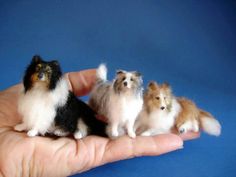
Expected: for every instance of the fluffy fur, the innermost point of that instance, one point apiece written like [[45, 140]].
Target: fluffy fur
[[159, 111], [119, 101], [47, 105], [162, 111]]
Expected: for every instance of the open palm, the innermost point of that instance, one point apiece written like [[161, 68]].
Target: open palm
[[21, 155]]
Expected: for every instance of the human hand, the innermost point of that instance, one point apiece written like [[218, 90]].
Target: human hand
[[47, 156]]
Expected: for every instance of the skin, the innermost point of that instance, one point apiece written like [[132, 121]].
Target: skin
[[49, 156]]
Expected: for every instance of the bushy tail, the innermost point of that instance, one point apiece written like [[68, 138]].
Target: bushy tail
[[209, 124], [102, 72]]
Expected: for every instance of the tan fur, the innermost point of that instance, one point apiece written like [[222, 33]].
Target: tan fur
[[159, 111], [151, 96], [189, 112], [189, 117], [47, 73]]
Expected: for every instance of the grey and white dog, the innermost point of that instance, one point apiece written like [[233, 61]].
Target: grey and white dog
[[119, 101]]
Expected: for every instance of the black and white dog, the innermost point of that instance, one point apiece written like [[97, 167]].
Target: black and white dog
[[119, 101], [48, 106]]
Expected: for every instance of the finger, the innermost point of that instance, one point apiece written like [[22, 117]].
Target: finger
[[189, 135], [125, 147], [186, 136], [81, 82], [13, 90], [94, 151]]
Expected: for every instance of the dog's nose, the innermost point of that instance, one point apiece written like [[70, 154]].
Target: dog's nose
[[40, 75], [162, 108], [125, 83]]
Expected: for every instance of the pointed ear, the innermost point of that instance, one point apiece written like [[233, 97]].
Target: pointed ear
[[166, 86], [55, 62], [36, 59], [152, 85], [120, 72], [137, 74]]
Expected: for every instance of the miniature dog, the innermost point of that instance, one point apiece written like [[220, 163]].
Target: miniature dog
[[162, 112], [47, 105], [119, 101]]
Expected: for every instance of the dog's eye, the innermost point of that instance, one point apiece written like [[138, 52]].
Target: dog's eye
[[47, 69], [164, 98], [131, 79], [123, 78], [158, 98]]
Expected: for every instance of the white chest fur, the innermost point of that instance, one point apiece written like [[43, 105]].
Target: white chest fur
[[163, 121], [122, 113], [159, 121], [125, 107], [38, 106]]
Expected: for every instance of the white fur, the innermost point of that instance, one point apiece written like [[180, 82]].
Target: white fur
[[210, 126], [162, 100], [82, 130], [128, 81], [38, 107], [60, 132], [190, 125], [158, 121], [102, 72], [123, 111]]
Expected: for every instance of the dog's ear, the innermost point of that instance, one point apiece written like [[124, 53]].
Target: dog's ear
[[118, 72], [137, 74], [55, 65], [166, 86], [36, 59], [152, 85], [55, 62]]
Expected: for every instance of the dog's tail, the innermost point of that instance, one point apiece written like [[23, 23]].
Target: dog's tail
[[102, 73], [209, 124]]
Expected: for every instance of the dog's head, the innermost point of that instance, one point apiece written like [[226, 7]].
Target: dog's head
[[127, 81], [42, 72], [158, 96]]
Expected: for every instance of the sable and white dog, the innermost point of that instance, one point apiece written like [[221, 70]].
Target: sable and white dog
[[119, 101], [162, 112], [48, 106]]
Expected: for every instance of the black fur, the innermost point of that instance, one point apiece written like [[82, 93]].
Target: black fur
[[56, 74], [75, 109], [31, 69]]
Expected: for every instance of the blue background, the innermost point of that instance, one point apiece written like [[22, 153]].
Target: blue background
[[190, 44]]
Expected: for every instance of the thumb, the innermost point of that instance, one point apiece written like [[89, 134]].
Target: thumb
[[81, 82]]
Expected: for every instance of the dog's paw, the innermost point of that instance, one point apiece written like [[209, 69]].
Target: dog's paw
[[131, 134], [114, 134], [78, 135], [32, 133], [185, 127], [189, 126], [146, 133], [182, 130], [60, 132]]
